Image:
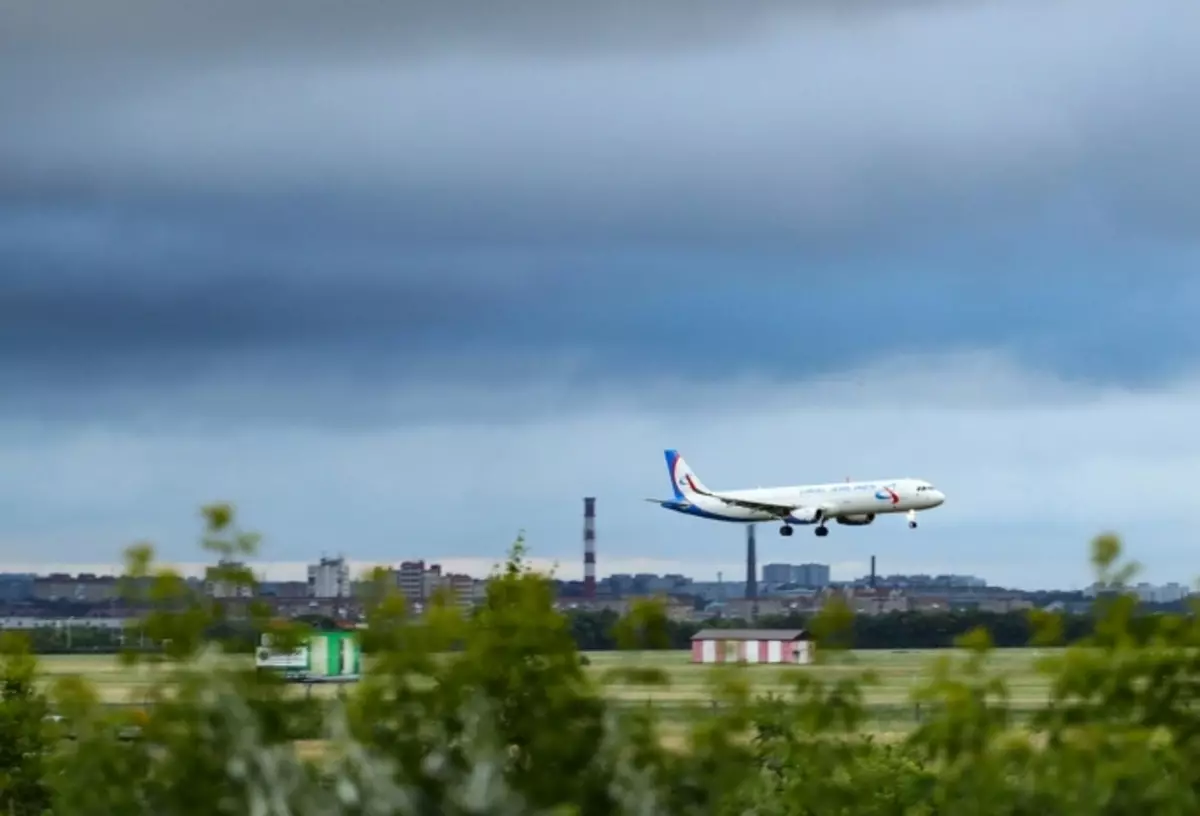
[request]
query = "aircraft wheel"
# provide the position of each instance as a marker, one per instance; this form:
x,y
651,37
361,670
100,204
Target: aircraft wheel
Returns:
x,y
822,531
785,530
912,525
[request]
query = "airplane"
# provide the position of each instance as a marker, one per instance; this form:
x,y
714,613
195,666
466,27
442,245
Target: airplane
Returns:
x,y
851,503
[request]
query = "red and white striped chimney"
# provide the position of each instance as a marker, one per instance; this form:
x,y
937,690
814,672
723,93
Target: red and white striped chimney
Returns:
x,y
589,547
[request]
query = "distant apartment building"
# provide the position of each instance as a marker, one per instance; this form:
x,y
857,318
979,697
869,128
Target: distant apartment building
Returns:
x,y
459,588
217,583
1146,592
873,602
82,588
1166,593
462,589
410,580
419,582
925,582
620,582
329,578
777,574
431,582
808,576
811,576
283,590
16,587
644,583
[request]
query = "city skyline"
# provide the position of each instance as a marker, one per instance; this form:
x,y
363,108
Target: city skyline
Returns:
x,y
782,586
403,297
340,571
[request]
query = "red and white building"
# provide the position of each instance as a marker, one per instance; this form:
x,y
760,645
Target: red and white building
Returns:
x,y
791,646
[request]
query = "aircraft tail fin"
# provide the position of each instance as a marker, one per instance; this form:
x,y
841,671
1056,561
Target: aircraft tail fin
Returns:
x,y
684,482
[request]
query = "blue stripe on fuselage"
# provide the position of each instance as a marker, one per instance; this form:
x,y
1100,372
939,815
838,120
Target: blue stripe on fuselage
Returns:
x,y
693,510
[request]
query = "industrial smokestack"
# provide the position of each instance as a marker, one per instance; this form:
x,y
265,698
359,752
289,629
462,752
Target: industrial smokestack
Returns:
x,y
751,573
589,547
872,572
751,565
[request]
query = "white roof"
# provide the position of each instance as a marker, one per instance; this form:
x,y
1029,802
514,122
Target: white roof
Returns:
x,y
751,634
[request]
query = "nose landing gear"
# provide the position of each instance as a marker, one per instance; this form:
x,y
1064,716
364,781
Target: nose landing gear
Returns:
x,y
912,519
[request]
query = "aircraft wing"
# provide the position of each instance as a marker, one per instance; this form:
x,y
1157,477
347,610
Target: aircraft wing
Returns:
x,y
781,510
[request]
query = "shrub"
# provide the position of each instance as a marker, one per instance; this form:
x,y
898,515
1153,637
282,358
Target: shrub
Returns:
x,y
495,713
24,731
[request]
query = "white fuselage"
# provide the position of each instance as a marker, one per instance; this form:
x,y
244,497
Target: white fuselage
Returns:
x,y
845,499
853,503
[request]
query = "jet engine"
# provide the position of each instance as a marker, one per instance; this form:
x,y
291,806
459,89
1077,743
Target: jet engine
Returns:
x,y
857,521
805,515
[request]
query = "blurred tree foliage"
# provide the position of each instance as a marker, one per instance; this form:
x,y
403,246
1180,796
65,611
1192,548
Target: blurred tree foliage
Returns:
x,y
25,733
495,713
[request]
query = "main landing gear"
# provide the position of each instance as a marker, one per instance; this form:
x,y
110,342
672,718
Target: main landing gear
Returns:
x,y
821,530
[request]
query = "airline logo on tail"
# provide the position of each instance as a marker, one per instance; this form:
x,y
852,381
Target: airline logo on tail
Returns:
x,y
678,479
681,475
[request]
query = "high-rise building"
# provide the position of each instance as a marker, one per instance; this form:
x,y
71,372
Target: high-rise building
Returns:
x,y
329,578
462,587
410,580
431,582
777,574
217,583
811,576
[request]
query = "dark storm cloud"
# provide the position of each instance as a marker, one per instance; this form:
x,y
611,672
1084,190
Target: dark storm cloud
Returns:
x,y
410,27
301,208
135,317
777,121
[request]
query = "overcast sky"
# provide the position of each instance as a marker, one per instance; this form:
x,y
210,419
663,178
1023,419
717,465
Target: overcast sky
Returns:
x,y
402,279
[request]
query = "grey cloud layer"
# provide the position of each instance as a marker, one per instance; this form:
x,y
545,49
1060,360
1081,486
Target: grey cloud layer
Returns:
x,y
410,27
779,125
253,194
110,320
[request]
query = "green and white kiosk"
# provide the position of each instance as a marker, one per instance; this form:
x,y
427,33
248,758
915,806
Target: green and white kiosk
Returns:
x,y
328,657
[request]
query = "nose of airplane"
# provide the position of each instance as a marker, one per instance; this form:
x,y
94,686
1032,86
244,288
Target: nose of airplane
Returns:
x,y
938,497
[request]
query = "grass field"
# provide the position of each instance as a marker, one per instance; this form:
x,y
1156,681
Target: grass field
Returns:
x,y
888,701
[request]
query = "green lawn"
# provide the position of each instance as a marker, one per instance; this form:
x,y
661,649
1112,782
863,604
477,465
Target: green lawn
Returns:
x,y
888,702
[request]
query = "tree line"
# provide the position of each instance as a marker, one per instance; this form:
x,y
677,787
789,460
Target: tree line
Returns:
x,y
596,630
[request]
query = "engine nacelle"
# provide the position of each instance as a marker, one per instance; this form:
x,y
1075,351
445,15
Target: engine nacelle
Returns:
x,y
805,515
857,521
